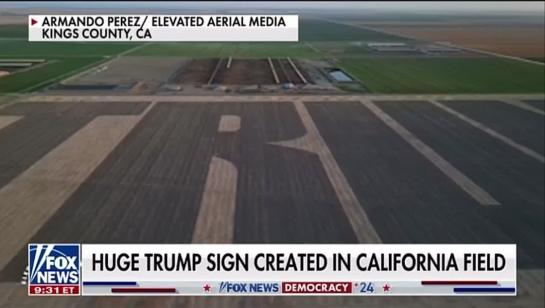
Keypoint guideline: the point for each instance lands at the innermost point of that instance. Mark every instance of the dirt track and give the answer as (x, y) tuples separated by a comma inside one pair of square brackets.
[(285, 72)]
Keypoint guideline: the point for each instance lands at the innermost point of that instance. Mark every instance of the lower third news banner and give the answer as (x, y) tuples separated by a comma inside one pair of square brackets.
[(261, 269), (163, 28)]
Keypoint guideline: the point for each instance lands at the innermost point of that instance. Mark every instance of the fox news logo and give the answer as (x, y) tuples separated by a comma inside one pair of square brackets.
[(250, 287), (54, 269)]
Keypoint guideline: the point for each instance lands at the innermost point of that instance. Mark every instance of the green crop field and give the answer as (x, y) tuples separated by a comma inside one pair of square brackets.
[(447, 75), (4, 99), (261, 50), (341, 49), (63, 59), (44, 75), (13, 31), (325, 34), (21, 48), (204, 50), (238, 50), (342, 44), (542, 60)]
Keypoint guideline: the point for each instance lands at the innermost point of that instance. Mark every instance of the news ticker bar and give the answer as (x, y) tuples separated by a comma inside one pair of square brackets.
[(292, 288), (163, 28), (277, 288), (276, 270)]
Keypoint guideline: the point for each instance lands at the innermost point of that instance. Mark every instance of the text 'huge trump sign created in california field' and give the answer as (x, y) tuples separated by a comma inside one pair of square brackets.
[(217, 269)]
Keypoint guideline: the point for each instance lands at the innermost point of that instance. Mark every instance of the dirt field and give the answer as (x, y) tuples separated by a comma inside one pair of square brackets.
[(514, 40), (318, 171), (13, 20), (130, 70), (245, 72), (240, 72), (527, 127), (536, 103), (197, 71)]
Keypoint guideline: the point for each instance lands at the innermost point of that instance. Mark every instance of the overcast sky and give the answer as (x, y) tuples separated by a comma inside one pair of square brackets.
[(414, 6)]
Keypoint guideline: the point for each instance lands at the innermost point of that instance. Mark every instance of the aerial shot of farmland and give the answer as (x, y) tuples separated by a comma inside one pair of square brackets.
[(500, 34), (381, 57), (375, 127)]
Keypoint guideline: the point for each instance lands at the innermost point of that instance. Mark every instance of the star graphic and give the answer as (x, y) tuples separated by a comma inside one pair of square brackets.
[(207, 287), (386, 287)]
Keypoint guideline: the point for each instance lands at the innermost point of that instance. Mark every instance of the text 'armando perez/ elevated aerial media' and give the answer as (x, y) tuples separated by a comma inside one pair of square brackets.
[(149, 28)]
